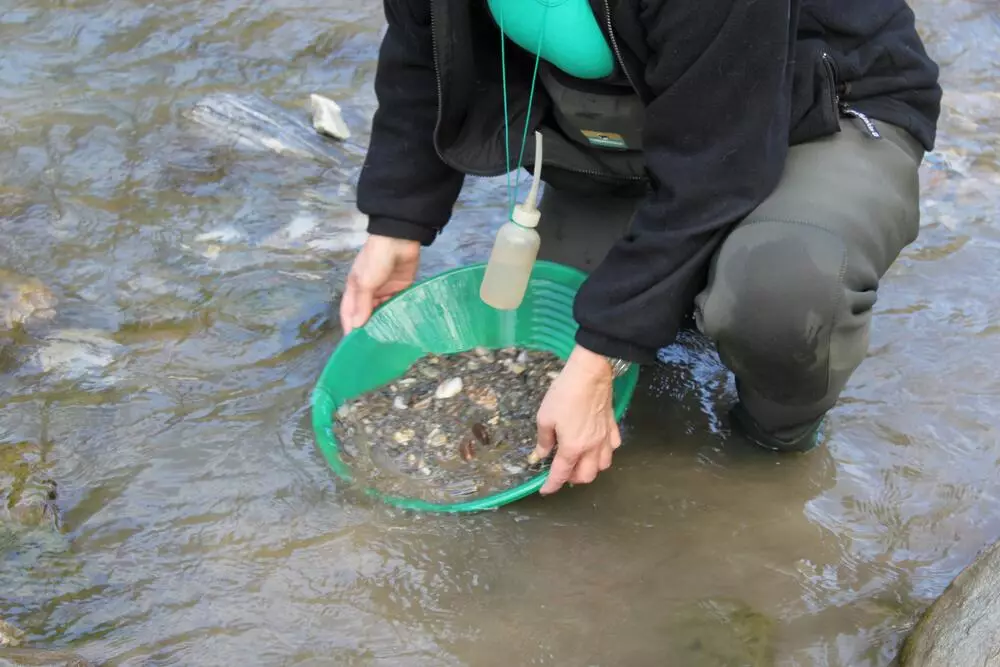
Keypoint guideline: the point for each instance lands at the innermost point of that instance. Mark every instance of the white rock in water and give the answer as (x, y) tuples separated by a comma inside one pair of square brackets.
[(327, 118), (78, 353), (227, 234), (449, 388), (10, 635)]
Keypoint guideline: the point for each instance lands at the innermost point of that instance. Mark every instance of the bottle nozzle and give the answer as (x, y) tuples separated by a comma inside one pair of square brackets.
[(527, 214)]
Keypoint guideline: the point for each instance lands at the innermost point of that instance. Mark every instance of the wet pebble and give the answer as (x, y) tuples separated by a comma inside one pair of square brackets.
[(404, 436), (449, 388)]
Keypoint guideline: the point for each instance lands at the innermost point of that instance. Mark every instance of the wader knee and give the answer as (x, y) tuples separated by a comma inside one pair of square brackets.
[(787, 325)]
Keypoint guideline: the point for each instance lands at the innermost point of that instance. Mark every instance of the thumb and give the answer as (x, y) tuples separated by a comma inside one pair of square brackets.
[(546, 441)]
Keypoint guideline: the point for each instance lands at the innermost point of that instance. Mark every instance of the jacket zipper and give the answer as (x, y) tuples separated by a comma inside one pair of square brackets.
[(614, 47), (842, 108), (488, 173)]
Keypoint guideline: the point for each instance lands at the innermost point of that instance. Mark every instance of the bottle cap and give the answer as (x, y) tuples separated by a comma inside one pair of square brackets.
[(526, 215)]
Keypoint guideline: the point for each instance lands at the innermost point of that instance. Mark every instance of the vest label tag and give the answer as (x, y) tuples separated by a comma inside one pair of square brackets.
[(605, 139)]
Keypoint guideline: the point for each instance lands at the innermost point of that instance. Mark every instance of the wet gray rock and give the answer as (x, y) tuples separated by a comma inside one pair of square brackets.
[(962, 627)]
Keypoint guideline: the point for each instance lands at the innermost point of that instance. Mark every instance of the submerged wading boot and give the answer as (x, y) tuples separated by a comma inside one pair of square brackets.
[(799, 439)]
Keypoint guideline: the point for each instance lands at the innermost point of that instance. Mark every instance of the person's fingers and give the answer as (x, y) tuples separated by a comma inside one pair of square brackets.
[(586, 468), (361, 304), (347, 306), (546, 441), (616, 435), (559, 473), (604, 460)]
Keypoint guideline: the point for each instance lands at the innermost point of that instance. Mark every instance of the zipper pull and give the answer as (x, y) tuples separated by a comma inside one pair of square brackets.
[(854, 113)]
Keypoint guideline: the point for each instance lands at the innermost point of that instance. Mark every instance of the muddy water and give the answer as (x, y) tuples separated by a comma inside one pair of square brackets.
[(200, 525)]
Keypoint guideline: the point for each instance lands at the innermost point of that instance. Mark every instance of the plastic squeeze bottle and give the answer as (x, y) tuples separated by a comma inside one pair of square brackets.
[(515, 249)]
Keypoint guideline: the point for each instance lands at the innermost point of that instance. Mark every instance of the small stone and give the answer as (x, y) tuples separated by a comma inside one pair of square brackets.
[(481, 433), (344, 411), (466, 450), (552, 375), (437, 438), (484, 397), (516, 368), (522, 358), (327, 118), (512, 469), (423, 403), (404, 436), (449, 388), (407, 382), (399, 403)]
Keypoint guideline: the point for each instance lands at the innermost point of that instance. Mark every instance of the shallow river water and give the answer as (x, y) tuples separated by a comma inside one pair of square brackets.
[(168, 395)]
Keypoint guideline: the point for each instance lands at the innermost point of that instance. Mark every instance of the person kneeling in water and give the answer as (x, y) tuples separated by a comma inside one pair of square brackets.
[(751, 163)]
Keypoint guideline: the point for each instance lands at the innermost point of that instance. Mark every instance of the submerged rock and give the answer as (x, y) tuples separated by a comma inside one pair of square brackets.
[(73, 354), (10, 635), (27, 494), (36, 657), (962, 627), (721, 633), (254, 121), (24, 300), (13, 654)]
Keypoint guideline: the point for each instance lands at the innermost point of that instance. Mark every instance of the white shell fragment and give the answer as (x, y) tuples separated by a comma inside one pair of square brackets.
[(327, 118), (448, 388)]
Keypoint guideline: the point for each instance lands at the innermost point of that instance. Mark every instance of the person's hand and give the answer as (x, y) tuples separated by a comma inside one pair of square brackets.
[(384, 267), (577, 417)]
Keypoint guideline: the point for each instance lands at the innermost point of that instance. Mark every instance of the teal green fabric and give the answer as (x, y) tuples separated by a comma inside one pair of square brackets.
[(571, 39)]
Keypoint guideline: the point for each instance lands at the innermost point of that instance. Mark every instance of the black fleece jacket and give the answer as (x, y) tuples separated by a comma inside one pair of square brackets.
[(728, 85)]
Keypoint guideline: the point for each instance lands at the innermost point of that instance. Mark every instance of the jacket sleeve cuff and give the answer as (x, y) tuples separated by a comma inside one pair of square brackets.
[(613, 347), (401, 229)]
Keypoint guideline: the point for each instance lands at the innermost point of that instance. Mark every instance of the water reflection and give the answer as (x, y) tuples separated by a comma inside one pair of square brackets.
[(194, 280)]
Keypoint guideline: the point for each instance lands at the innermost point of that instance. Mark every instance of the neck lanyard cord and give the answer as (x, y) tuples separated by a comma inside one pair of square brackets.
[(512, 192)]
